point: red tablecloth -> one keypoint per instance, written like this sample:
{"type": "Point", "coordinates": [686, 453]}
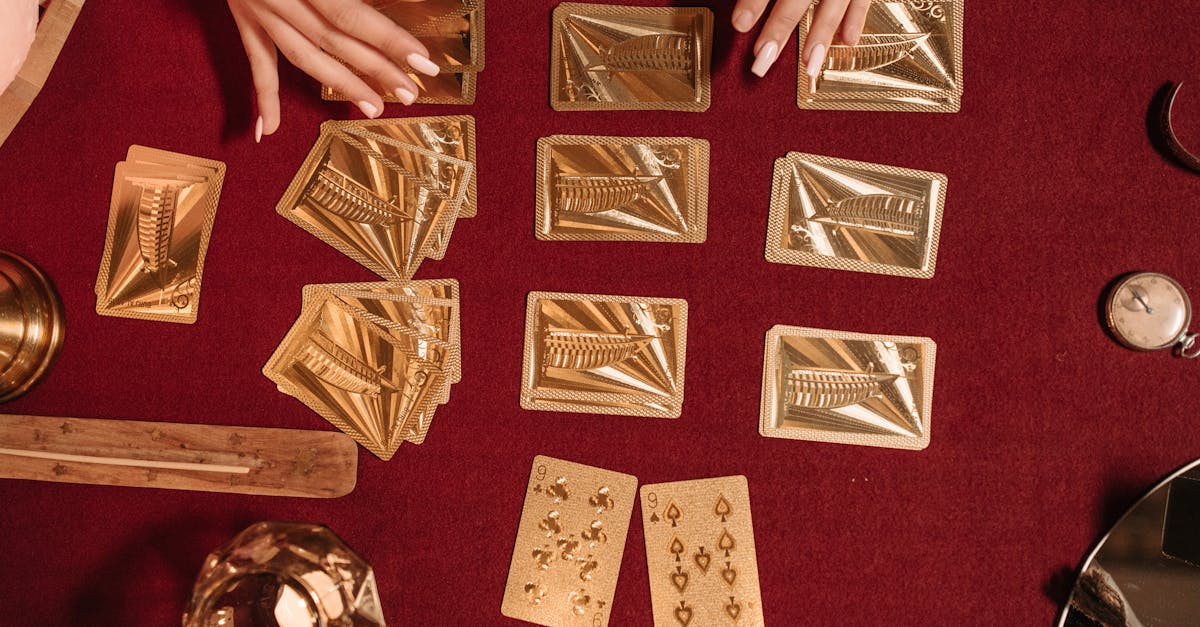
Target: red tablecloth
{"type": "Point", "coordinates": [1043, 428]}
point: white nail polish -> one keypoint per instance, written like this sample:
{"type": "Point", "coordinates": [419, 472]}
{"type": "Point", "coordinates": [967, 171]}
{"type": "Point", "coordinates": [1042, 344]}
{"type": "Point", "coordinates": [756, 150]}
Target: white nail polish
{"type": "Point", "coordinates": [422, 64]}
{"type": "Point", "coordinates": [258, 130]}
{"type": "Point", "coordinates": [765, 59]}
{"type": "Point", "coordinates": [816, 60]}
{"type": "Point", "coordinates": [405, 96]}
{"type": "Point", "coordinates": [368, 109]}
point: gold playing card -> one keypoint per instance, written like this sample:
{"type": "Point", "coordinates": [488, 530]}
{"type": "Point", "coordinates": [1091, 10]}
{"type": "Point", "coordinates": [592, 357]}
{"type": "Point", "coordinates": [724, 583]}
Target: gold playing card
{"type": "Point", "coordinates": [607, 57]}
{"type": "Point", "coordinates": [159, 223]}
{"type": "Point", "coordinates": [851, 215]}
{"type": "Point", "coordinates": [615, 355]}
{"type": "Point", "coordinates": [700, 553]}
{"type": "Point", "coordinates": [646, 189]}
{"type": "Point", "coordinates": [569, 545]}
{"type": "Point", "coordinates": [909, 59]}
{"type": "Point", "coordinates": [446, 88]}
{"type": "Point", "coordinates": [848, 388]}
{"type": "Point", "coordinates": [381, 202]}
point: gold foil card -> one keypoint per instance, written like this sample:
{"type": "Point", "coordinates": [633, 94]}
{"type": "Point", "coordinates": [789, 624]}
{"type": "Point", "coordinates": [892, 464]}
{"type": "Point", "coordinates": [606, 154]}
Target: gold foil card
{"type": "Point", "coordinates": [851, 215]}
{"type": "Point", "coordinates": [452, 30]}
{"type": "Point", "coordinates": [159, 223]}
{"type": "Point", "coordinates": [381, 202]}
{"type": "Point", "coordinates": [700, 553]}
{"type": "Point", "coordinates": [447, 88]}
{"type": "Point", "coordinates": [604, 354]}
{"type": "Point", "coordinates": [908, 59]}
{"type": "Point", "coordinates": [648, 189]}
{"type": "Point", "coordinates": [569, 544]}
{"type": "Point", "coordinates": [607, 57]}
{"type": "Point", "coordinates": [849, 388]}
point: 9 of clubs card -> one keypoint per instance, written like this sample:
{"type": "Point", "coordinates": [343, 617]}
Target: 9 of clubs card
{"type": "Point", "coordinates": [569, 545]}
{"type": "Point", "coordinates": [700, 553]}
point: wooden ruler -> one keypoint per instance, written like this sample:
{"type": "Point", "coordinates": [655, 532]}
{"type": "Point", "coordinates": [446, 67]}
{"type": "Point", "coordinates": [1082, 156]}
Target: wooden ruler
{"type": "Point", "coordinates": [242, 460]}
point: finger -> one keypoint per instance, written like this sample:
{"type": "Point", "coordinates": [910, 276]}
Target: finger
{"type": "Point", "coordinates": [826, 20]}
{"type": "Point", "coordinates": [855, 20]}
{"type": "Point", "coordinates": [746, 14]}
{"type": "Point", "coordinates": [359, 20]}
{"type": "Point", "coordinates": [305, 55]}
{"type": "Point", "coordinates": [775, 33]}
{"type": "Point", "coordinates": [264, 68]}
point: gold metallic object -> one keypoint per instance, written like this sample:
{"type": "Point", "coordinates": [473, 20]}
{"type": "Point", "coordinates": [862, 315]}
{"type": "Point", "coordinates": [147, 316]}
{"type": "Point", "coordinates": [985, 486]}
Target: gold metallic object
{"type": "Point", "coordinates": [569, 545]}
{"type": "Point", "coordinates": [849, 388]}
{"type": "Point", "coordinates": [446, 88]}
{"type": "Point", "coordinates": [159, 223]}
{"type": "Point", "coordinates": [851, 215]}
{"type": "Point", "coordinates": [909, 58]}
{"type": "Point", "coordinates": [651, 189]}
{"type": "Point", "coordinates": [287, 575]}
{"type": "Point", "coordinates": [1186, 157]}
{"type": "Point", "coordinates": [31, 325]}
{"type": "Point", "coordinates": [606, 57]}
{"type": "Point", "coordinates": [1149, 311]}
{"type": "Point", "coordinates": [604, 354]}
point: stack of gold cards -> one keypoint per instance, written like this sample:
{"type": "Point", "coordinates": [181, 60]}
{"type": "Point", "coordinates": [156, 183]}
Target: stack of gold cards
{"type": "Point", "coordinates": [374, 359]}
{"type": "Point", "coordinates": [604, 354]}
{"type": "Point", "coordinates": [645, 189]}
{"type": "Point", "coordinates": [452, 31]}
{"type": "Point", "coordinates": [606, 57]}
{"type": "Point", "coordinates": [850, 215]}
{"type": "Point", "coordinates": [387, 193]}
{"type": "Point", "coordinates": [908, 59]}
{"type": "Point", "coordinates": [849, 388]}
{"type": "Point", "coordinates": [159, 223]}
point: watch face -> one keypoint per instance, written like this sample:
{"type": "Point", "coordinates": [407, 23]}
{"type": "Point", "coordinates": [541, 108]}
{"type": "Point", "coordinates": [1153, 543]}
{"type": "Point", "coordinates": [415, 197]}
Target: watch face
{"type": "Point", "coordinates": [1148, 311]}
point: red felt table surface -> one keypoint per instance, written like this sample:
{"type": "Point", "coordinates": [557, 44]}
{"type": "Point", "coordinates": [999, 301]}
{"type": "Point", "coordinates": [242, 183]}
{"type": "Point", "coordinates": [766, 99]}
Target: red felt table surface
{"type": "Point", "coordinates": [1043, 429]}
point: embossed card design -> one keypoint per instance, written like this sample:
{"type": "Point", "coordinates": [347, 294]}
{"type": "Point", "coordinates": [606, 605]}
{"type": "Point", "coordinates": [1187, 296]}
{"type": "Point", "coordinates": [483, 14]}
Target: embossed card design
{"type": "Point", "coordinates": [908, 59]}
{"type": "Point", "coordinates": [569, 545]}
{"type": "Point", "coordinates": [622, 188]}
{"type": "Point", "coordinates": [849, 388]}
{"type": "Point", "coordinates": [851, 215]}
{"type": "Point", "coordinates": [604, 354]}
{"type": "Point", "coordinates": [608, 57]}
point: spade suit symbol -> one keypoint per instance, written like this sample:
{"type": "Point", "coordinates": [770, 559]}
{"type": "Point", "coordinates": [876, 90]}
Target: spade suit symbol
{"type": "Point", "coordinates": [683, 614]}
{"type": "Point", "coordinates": [673, 514]}
{"type": "Point", "coordinates": [729, 574]}
{"type": "Point", "coordinates": [702, 559]}
{"type": "Point", "coordinates": [679, 579]}
{"type": "Point", "coordinates": [733, 609]}
{"type": "Point", "coordinates": [722, 508]}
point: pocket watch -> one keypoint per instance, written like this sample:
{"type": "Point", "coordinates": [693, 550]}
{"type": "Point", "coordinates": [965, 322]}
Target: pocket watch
{"type": "Point", "coordinates": [1149, 311]}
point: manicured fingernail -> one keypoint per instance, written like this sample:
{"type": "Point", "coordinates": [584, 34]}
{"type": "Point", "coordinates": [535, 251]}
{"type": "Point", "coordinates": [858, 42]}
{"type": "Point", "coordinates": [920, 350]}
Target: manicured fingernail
{"type": "Point", "coordinates": [405, 96]}
{"type": "Point", "coordinates": [368, 109]}
{"type": "Point", "coordinates": [816, 59]}
{"type": "Point", "coordinates": [422, 64]}
{"type": "Point", "coordinates": [258, 130]}
{"type": "Point", "coordinates": [743, 20]}
{"type": "Point", "coordinates": [765, 59]}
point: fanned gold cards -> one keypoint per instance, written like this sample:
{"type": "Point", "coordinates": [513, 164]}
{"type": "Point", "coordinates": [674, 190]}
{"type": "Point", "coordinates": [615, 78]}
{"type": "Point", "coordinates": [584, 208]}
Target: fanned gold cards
{"type": "Point", "coordinates": [615, 355]}
{"type": "Point", "coordinates": [374, 359]}
{"type": "Point", "coordinates": [452, 31]}
{"type": "Point", "coordinates": [569, 545]}
{"type": "Point", "coordinates": [607, 57]}
{"type": "Point", "coordinates": [850, 215]}
{"type": "Point", "coordinates": [849, 388]}
{"type": "Point", "coordinates": [646, 189]}
{"type": "Point", "coordinates": [159, 223]}
{"type": "Point", "coordinates": [700, 553]}
{"type": "Point", "coordinates": [386, 203]}
{"type": "Point", "coordinates": [909, 58]}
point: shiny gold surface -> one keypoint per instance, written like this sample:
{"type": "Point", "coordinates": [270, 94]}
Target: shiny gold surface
{"type": "Point", "coordinates": [159, 223]}
{"type": "Point", "coordinates": [848, 388]}
{"type": "Point", "coordinates": [374, 359]}
{"type": "Point", "coordinates": [445, 88]}
{"type": "Point", "coordinates": [31, 325]}
{"type": "Point", "coordinates": [851, 215]}
{"type": "Point", "coordinates": [607, 57]}
{"type": "Point", "coordinates": [908, 59]}
{"type": "Point", "coordinates": [382, 202]}
{"type": "Point", "coordinates": [650, 189]}
{"type": "Point", "coordinates": [1148, 311]}
{"type": "Point", "coordinates": [604, 354]}
{"type": "Point", "coordinates": [569, 544]}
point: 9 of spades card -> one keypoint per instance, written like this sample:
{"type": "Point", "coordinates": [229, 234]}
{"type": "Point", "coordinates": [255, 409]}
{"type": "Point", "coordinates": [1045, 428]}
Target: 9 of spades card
{"type": "Point", "coordinates": [569, 545]}
{"type": "Point", "coordinates": [700, 553]}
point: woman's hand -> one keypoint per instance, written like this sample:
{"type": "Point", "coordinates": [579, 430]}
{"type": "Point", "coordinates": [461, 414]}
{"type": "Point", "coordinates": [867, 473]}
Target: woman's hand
{"type": "Point", "coordinates": [832, 16]}
{"type": "Point", "coordinates": [310, 33]}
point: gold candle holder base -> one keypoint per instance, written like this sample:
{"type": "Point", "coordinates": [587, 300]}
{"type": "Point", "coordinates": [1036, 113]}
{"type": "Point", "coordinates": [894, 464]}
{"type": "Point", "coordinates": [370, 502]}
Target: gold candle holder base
{"type": "Point", "coordinates": [31, 325]}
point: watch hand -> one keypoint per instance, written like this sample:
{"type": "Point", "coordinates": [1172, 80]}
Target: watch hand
{"type": "Point", "coordinates": [1141, 300]}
